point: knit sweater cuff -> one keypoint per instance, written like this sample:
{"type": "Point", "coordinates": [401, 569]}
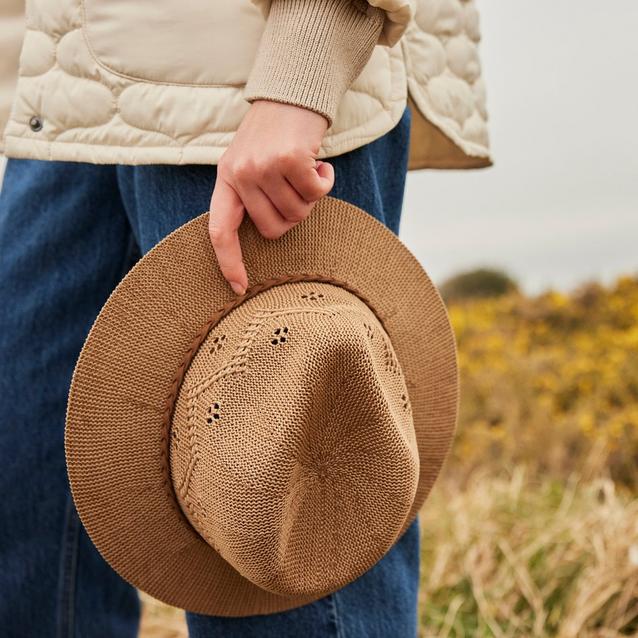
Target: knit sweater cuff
{"type": "Point", "coordinates": [312, 50]}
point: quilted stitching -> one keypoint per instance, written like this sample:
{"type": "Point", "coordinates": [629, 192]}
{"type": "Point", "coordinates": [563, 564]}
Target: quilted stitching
{"type": "Point", "coordinates": [91, 113]}
{"type": "Point", "coordinates": [444, 71]}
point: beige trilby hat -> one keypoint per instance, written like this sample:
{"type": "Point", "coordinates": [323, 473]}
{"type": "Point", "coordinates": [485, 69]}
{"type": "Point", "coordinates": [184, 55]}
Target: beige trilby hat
{"type": "Point", "coordinates": [237, 456]}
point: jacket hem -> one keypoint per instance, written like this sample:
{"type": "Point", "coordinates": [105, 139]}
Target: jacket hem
{"type": "Point", "coordinates": [470, 149]}
{"type": "Point", "coordinates": [25, 148]}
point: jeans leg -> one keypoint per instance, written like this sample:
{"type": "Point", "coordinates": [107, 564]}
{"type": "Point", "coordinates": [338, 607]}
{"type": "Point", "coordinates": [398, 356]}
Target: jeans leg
{"type": "Point", "coordinates": [383, 602]}
{"type": "Point", "coordinates": [65, 243]}
{"type": "Point", "coordinates": [373, 176]}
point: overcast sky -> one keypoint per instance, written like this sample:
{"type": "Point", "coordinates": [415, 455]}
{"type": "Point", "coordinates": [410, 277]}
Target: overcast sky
{"type": "Point", "coordinates": [561, 203]}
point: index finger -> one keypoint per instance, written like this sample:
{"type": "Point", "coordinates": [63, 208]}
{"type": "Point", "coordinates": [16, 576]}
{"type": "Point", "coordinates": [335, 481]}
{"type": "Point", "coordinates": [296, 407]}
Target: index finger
{"type": "Point", "coordinates": [225, 216]}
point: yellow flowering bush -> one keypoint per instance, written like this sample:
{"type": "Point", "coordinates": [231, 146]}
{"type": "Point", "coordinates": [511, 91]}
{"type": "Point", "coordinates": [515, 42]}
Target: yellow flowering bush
{"type": "Point", "coordinates": [550, 381]}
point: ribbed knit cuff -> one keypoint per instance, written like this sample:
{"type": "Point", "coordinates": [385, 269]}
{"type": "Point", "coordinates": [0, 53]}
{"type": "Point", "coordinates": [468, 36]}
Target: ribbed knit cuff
{"type": "Point", "coordinates": [312, 50]}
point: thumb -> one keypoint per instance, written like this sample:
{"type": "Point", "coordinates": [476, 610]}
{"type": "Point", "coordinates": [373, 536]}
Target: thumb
{"type": "Point", "coordinates": [326, 175]}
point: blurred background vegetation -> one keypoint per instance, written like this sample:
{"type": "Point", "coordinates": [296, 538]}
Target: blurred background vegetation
{"type": "Point", "coordinates": [532, 528]}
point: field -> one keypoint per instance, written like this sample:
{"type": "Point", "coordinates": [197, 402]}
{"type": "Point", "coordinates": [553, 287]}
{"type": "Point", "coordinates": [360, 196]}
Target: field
{"type": "Point", "coordinates": [532, 529]}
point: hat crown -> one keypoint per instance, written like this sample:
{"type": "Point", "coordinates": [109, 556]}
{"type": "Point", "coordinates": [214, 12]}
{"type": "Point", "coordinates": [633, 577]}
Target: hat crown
{"type": "Point", "coordinates": [293, 451]}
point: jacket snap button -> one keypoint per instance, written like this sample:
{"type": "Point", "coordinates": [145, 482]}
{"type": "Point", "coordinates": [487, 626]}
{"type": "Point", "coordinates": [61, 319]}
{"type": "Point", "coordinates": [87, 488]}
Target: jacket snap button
{"type": "Point", "coordinates": [35, 123]}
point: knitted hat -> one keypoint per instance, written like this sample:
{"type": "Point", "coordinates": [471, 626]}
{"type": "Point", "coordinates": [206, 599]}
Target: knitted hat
{"type": "Point", "coordinates": [247, 455]}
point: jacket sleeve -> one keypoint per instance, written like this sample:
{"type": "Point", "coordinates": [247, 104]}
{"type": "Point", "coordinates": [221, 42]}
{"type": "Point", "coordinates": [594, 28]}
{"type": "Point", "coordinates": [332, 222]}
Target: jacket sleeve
{"type": "Point", "coordinates": [312, 50]}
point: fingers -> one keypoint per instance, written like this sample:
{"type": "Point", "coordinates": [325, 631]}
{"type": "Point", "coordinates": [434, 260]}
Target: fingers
{"type": "Point", "coordinates": [326, 173]}
{"type": "Point", "coordinates": [275, 202]}
{"type": "Point", "coordinates": [225, 217]}
{"type": "Point", "coordinates": [269, 171]}
{"type": "Point", "coordinates": [270, 223]}
{"type": "Point", "coordinates": [292, 188]}
{"type": "Point", "coordinates": [285, 199]}
{"type": "Point", "coordinates": [309, 181]}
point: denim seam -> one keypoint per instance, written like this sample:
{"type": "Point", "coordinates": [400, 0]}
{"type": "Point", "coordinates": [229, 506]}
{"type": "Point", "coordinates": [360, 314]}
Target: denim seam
{"type": "Point", "coordinates": [68, 572]}
{"type": "Point", "coordinates": [334, 612]}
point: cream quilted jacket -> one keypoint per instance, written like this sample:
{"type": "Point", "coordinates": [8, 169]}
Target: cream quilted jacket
{"type": "Point", "coordinates": [133, 82]}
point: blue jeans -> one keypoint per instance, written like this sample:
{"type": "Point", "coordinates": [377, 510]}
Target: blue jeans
{"type": "Point", "coordinates": [68, 233]}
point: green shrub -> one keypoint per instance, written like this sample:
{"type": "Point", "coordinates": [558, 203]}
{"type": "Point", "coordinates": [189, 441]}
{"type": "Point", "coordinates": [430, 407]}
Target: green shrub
{"type": "Point", "coordinates": [479, 283]}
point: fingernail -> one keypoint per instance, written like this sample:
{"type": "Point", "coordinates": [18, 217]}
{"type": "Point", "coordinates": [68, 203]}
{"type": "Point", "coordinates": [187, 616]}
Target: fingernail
{"type": "Point", "coordinates": [238, 288]}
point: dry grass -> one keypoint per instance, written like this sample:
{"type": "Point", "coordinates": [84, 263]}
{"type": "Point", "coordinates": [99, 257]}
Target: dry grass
{"type": "Point", "coordinates": [160, 621]}
{"type": "Point", "coordinates": [510, 556]}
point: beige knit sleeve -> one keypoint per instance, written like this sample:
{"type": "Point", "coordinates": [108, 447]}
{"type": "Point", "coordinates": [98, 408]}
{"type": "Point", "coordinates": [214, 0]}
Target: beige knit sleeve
{"type": "Point", "coordinates": [312, 50]}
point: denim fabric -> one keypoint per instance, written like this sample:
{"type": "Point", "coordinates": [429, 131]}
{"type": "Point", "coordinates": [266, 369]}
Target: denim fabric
{"type": "Point", "coordinates": [68, 233]}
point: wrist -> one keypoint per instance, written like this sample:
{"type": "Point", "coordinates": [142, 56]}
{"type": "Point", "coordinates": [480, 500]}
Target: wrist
{"type": "Point", "coordinates": [312, 122]}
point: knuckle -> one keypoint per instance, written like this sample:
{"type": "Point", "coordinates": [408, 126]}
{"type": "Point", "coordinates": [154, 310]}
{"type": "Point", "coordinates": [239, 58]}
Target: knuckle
{"type": "Point", "coordinates": [217, 234]}
{"type": "Point", "coordinates": [243, 168]}
{"type": "Point", "coordinates": [224, 166]}
{"type": "Point", "coordinates": [262, 170]}
{"type": "Point", "coordinates": [287, 157]}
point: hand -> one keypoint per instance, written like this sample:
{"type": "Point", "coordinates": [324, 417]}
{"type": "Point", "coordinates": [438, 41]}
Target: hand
{"type": "Point", "coordinates": [269, 171]}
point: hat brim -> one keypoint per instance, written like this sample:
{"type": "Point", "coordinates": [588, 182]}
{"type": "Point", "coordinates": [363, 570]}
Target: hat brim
{"type": "Point", "coordinates": [123, 376]}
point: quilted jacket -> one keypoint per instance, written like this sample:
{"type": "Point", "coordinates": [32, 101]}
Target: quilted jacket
{"type": "Point", "coordinates": [133, 82]}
